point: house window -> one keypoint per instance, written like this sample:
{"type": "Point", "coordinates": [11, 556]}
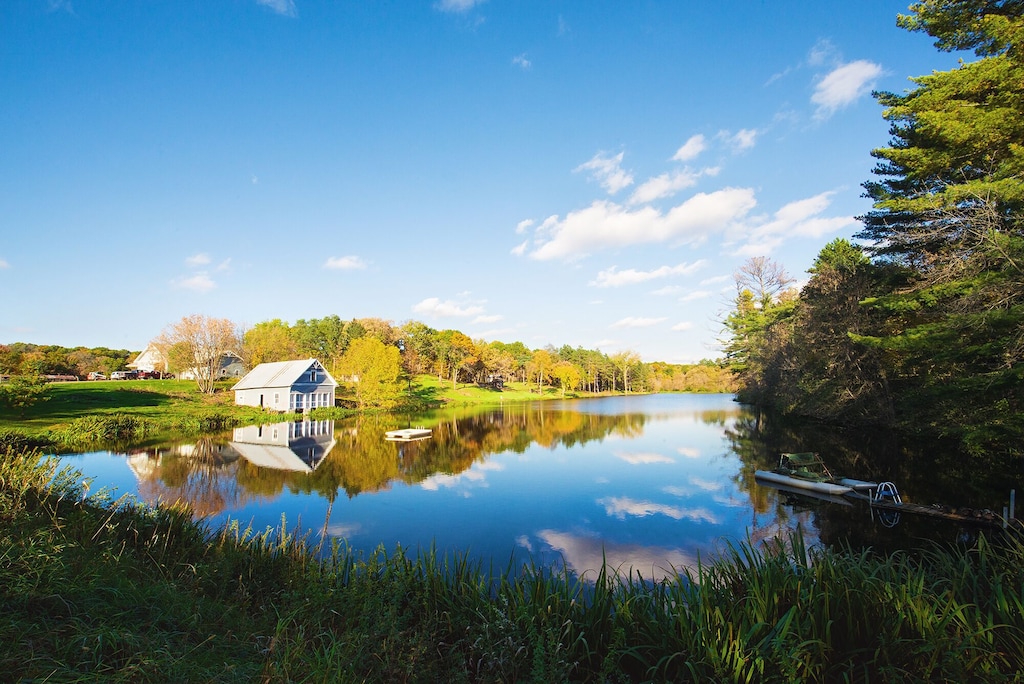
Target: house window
{"type": "Point", "coordinates": [277, 399]}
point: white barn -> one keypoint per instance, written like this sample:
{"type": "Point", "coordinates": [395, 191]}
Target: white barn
{"type": "Point", "coordinates": [150, 359]}
{"type": "Point", "coordinates": [287, 386]}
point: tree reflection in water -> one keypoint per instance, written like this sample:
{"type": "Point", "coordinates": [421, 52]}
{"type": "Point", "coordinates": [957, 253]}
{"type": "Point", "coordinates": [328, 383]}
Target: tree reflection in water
{"type": "Point", "coordinates": [650, 482]}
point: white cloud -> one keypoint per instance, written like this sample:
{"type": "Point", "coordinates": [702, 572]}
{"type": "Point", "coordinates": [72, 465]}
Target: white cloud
{"type": "Point", "coordinates": [200, 282]}
{"type": "Point", "coordinates": [345, 263]}
{"type": "Point", "coordinates": [637, 322]}
{"type": "Point", "coordinates": [744, 139]}
{"type": "Point", "coordinates": [800, 218]}
{"type": "Point", "coordinates": [614, 278]}
{"type": "Point", "coordinates": [691, 149]}
{"type": "Point", "coordinates": [493, 318]}
{"type": "Point", "coordinates": [644, 458]}
{"type": "Point", "coordinates": [523, 226]}
{"type": "Point", "coordinates": [457, 5]}
{"type": "Point", "coordinates": [689, 452]}
{"type": "Point", "coordinates": [285, 8]}
{"type": "Point", "coordinates": [695, 295]}
{"type": "Point", "coordinates": [665, 185]}
{"type": "Point", "coordinates": [521, 61]}
{"type": "Point", "coordinates": [607, 171]}
{"type": "Point", "coordinates": [224, 265]}
{"type": "Point", "coordinates": [683, 325]}
{"type": "Point", "coordinates": [433, 306]}
{"type": "Point", "coordinates": [822, 52]}
{"type": "Point", "coordinates": [667, 290]}
{"type": "Point", "coordinates": [196, 260]}
{"type": "Point", "coordinates": [4, 264]}
{"type": "Point", "coordinates": [520, 249]}
{"type": "Point", "coordinates": [844, 85]}
{"type": "Point", "coordinates": [605, 225]}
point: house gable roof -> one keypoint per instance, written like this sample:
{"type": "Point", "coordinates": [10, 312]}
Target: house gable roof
{"type": "Point", "coordinates": [282, 374]}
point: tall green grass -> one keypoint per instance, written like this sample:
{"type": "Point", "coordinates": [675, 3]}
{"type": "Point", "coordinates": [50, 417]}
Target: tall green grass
{"type": "Point", "coordinates": [103, 589]}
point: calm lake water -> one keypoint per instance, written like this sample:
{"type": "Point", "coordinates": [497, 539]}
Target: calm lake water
{"type": "Point", "coordinates": [644, 482]}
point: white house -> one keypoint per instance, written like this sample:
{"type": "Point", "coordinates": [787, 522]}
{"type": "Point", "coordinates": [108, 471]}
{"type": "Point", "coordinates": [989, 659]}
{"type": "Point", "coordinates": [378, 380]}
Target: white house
{"type": "Point", "coordinates": [230, 366]}
{"type": "Point", "coordinates": [150, 360]}
{"type": "Point", "coordinates": [287, 386]}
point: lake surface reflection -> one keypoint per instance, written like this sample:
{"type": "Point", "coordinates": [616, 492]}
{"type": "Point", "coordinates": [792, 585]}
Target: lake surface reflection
{"type": "Point", "coordinates": [644, 482]}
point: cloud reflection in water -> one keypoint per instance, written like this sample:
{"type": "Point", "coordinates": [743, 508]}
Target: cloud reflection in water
{"type": "Point", "coordinates": [586, 555]}
{"type": "Point", "coordinates": [621, 506]}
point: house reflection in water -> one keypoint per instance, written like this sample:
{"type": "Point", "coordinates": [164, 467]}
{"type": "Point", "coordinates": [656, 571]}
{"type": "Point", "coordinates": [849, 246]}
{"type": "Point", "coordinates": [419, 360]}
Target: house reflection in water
{"type": "Point", "coordinates": [300, 446]}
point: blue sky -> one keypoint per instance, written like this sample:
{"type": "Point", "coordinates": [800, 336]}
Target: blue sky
{"type": "Point", "coordinates": [576, 172]}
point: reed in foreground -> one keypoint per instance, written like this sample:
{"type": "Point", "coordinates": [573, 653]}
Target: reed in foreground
{"type": "Point", "coordinates": [103, 589]}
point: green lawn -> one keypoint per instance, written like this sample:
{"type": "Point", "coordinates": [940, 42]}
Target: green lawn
{"type": "Point", "coordinates": [428, 386]}
{"type": "Point", "coordinates": [144, 398]}
{"type": "Point", "coordinates": [76, 415]}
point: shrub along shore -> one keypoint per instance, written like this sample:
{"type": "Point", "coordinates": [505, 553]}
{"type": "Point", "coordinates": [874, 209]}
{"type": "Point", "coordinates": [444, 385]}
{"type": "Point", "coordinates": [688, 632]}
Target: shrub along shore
{"type": "Point", "coordinates": [96, 589]}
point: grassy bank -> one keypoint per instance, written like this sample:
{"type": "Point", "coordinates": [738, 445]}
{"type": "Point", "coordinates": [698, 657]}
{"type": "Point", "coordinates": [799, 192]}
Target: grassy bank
{"type": "Point", "coordinates": [78, 415]}
{"type": "Point", "coordinates": [100, 590]}
{"type": "Point", "coordinates": [431, 391]}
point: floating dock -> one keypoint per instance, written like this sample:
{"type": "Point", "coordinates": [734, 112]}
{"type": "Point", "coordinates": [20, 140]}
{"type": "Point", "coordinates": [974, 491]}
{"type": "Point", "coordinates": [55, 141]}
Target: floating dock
{"type": "Point", "coordinates": [408, 434]}
{"type": "Point", "coordinates": [884, 497]}
{"type": "Point", "coordinates": [968, 516]}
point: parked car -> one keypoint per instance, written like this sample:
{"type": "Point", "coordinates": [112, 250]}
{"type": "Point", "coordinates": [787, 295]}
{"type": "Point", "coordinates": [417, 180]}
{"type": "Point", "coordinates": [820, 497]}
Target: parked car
{"type": "Point", "coordinates": [124, 375]}
{"type": "Point", "coordinates": [96, 375]}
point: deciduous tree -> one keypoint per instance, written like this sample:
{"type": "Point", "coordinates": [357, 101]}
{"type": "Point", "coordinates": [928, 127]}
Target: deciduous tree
{"type": "Point", "coordinates": [197, 344]}
{"type": "Point", "coordinates": [374, 368]}
{"type": "Point", "coordinates": [267, 342]}
{"type": "Point", "coordinates": [568, 376]}
{"type": "Point", "coordinates": [21, 392]}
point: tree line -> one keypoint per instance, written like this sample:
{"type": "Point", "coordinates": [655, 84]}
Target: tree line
{"type": "Point", "coordinates": [365, 347]}
{"type": "Point", "coordinates": [376, 357]}
{"type": "Point", "coordinates": [24, 359]}
{"type": "Point", "coordinates": [920, 323]}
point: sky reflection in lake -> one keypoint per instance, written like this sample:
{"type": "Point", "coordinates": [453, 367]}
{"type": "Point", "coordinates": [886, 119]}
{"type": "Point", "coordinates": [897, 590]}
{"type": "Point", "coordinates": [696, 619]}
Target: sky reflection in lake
{"type": "Point", "coordinates": [646, 482]}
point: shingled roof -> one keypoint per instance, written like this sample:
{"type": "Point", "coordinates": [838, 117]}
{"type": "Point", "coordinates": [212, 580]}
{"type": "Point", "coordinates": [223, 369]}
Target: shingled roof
{"type": "Point", "coordinates": [280, 374]}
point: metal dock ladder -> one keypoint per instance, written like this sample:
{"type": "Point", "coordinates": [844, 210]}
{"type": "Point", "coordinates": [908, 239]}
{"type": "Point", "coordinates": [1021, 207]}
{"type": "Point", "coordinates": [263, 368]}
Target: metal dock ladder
{"type": "Point", "coordinates": [888, 494]}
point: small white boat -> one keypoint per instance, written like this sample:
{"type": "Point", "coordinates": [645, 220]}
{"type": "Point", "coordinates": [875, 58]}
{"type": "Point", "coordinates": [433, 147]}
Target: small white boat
{"type": "Point", "coordinates": [858, 485]}
{"type": "Point", "coordinates": [807, 493]}
{"type": "Point", "coordinates": [821, 487]}
{"type": "Point", "coordinates": [806, 471]}
{"type": "Point", "coordinates": [407, 434]}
